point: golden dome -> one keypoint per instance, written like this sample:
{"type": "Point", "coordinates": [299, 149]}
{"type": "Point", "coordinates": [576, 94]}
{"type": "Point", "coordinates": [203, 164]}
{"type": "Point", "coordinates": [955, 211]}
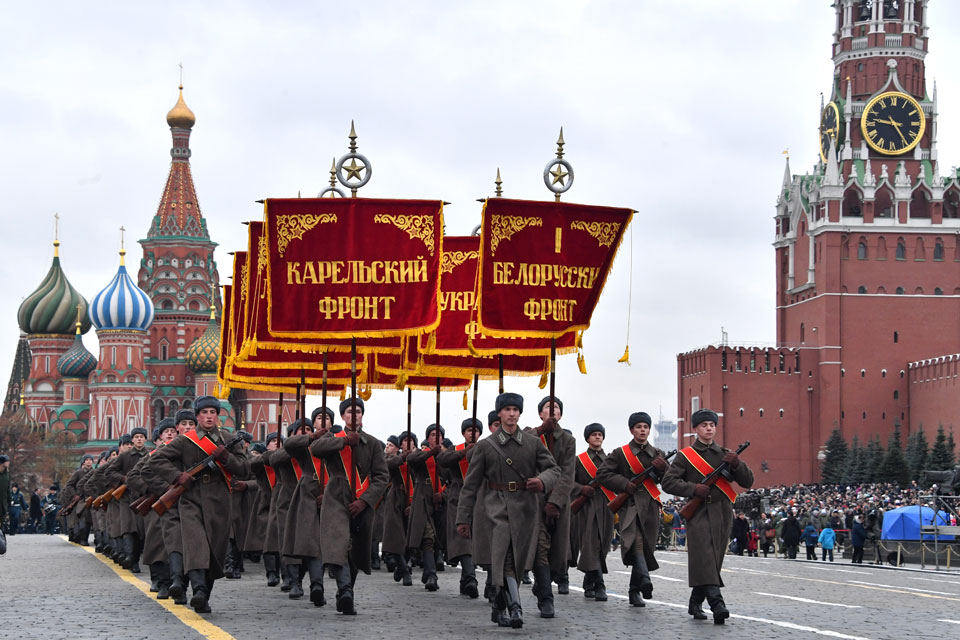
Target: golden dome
{"type": "Point", "coordinates": [181, 116]}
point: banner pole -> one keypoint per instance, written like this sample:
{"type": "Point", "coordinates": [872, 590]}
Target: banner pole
{"type": "Point", "coordinates": [409, 411]}
{"type": "Point", "coordinates": [500, 357]}
{"type": "Point", "coordinates": [553, 373]}
{"type": "Point", "coordinates": [302, 409]}
{"type": "Point", "coordinates": [353, 380]}
{"type": "Point", "coordinates": [323, 400]}
{"type": "Point", "coordinates": [476, 385]}
{"type": "Point", "coordinates": [436, 482]}
{"type": "Point", "coordinates": [279, 418]}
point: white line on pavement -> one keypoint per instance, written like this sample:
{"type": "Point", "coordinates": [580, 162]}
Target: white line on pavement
{"type": "Point", "coordinates": [950, 621]}
{"type": "Point", "coordinates": [653, 575]}
{"type": "Point", "coordinates": [891, 586]}
{"type": "Point", "coordinates": [808, 601]}
{"type": "Point", "coordinates": [778, 623]}
{"type": "Point", "coordinates": [937, 580]}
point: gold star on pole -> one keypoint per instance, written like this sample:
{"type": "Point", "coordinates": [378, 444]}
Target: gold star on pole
{"type": "Point", "coordinates": [353, 169]}
{"type": "Point", "coordinates": [559, 174]}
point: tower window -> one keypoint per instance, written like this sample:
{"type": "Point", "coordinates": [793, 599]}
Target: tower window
{"type": "Point", "coordinates": [861, 289]}
{"type": "Point", "coordinates": [899, 291]}
{"type": "Point", "coordinates": [883, 373]}
{"type": "Point", "coordinates": [863, 373]}
{"type": "Point", "coordinates": [761, 413]}
{"type": "Point", "coordinates": [901, 249]}
{"type": "Point", "coordinates": [937, 291]}
{"type": "Point", "coordinates": [802, 333]}
{"type": "Point", "coordinates": [896, 394]}
{"type": "Point", "coordinates": [896, 336]}
{"type": "Point", "coordinates": [938, 250]}
{"type": "Point", "coordinates": [862, 250]}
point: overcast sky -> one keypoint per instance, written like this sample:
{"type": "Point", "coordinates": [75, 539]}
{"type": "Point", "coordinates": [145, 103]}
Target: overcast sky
{"type": "Point", "coordinates": [677, 109]}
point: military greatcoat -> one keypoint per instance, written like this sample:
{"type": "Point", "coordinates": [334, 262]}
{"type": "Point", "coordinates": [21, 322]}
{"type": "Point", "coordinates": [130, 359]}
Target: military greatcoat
{"type": "Point", "coordinates": [708, 531]}
{"type": "Point", "coordinates": [260, 509]}
{"type": "Point", "coordinates": [594, 521]}
{"type": "Point", "coordinates": [116, 475]}
{"type": "Point", "coordinates": [451, 460]}
{"type": "Point", "coordinates": [394, 503]}
{"type": "Point", "coordinates": [279, 459]}
{"type": "Point", "coordinates": [153, 548]}
{"type": "Point", "coordinates": [301, 531]}
{"type": "Point", "coordinates": [514, 515]}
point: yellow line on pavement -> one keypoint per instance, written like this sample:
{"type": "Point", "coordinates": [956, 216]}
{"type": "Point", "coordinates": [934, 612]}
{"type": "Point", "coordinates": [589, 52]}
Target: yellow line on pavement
{"type": "Point", "coordinates": [184, 614]}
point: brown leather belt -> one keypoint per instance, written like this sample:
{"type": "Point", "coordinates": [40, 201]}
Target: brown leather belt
{"type": "Point", "coordinates": [508, 486]}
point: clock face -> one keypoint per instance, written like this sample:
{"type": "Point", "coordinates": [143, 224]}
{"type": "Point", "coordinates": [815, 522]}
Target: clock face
{"type": "Point", "coordinates": [829, 128]}
{"type": "Point", "coordinates": [892, 123]}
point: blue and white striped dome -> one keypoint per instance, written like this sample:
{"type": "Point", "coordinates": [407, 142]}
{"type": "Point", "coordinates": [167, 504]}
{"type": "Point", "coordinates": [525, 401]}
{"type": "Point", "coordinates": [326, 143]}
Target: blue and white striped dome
{"type": "Point", "coordinates": [122, 304]}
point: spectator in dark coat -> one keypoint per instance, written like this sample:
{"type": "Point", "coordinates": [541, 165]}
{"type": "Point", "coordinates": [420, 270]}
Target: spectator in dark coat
{"type": "Point", "coordinates": [810, 540]}
{"type": "Point", "coordinates": [739, 532]}
{"type": "Point", "coordinates": [858, 535]}
{"type": "Point", "coordinates": [17, 504]}
{"type": "Point", "coordinates": [791, 535]}
{"type": "Point", "coordinates": [35, 513]}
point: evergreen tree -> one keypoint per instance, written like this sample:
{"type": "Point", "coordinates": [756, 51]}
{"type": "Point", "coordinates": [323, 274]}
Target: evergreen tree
{"type": "Point", "coordinates": [916, 453]}
{"type": "Point", "coordinates": [894, 467]}
{"type": "Point", "coordinates": [835, 458]}
{"type": "Point", "coordinates": [874, 456]}
{"type": "Point", "coordinates": [855, 469]}
{"type": "Point", "coordinates": [941, 457]}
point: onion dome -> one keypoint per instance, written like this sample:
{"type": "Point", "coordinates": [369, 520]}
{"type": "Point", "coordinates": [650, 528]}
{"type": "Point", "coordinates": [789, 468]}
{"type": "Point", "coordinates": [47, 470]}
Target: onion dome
{"type": "Point", "coordinates": [52, 307]}
{"type": "Point", "coordinates": [122, 304]}
{"type": "Point", "coordinates": [181, 116]}
{"type": "Point", "coordinates": [76, 362]}
{"type": "Point", "coordinates": [203, 356]}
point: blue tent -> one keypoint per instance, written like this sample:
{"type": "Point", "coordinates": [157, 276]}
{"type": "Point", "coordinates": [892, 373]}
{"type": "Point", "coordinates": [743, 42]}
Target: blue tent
{"type": "Point", "coordinates": [903, 523]}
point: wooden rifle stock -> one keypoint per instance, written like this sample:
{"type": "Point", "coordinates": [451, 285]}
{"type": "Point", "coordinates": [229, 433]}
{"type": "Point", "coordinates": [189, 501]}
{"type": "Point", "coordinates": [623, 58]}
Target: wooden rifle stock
{"type": "Point", "coordinates": [617, 503]}
{"type": "Point", "coordinates": [142, 505]}
{"type": "Point", "coordinates": [69, 507]}
{"type": "Point", "coordinates": [88, 502]}
{"type": "Point", "coordinates": [693, 504]}
{"type": "Point", "coordinates": [118, 492]}
{"type": "Point", "coordinates": [580, 500]}
{"type": "Point", "coordinates": [170, 497]}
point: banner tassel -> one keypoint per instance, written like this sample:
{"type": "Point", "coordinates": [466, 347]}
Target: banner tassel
{"type": "Point", "coordinates": [581, 364]}
{"type": "Point", "coordinates": [544, 378]}
{"type": "Point", "coordinates": [626, 356]}
{"type": "Point", "coordinates": [465, 405]}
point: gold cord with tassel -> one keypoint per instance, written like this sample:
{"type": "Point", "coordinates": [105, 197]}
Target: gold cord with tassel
{"type": "Point", "coordinates": [626, 351]}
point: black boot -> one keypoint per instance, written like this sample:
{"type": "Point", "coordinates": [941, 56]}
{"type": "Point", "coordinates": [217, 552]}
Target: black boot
{"type": "Point", "coordinates": [154, 587]}
{"type": "Point", "coordinates": [489, 591]}
{"type": "Point", "coordinates": [177, 591]}
{"type": "Point", "coordinates": [129, 542]}
{"type": "Point", "coordinates": [239, 559]}
{"type": "Point", "coordinates": [543, 589]}
{"type": "Point", "coordinates": [315, 569]}
{"type": "Point", "coordinates": [600, 589]}
{"type": "Point", "coordinates": [286, 577]}
{"type": "Point", "coordinates": [390, 562]}
{"type": "Point", "coordinates": [563, 584]}
{"type": "Point", "coordinates": [162, 573]}
{"type": "Point", "coordinates": [296, 581]}
{"type": "Point", "coordinates": [525, 579]}
{"type": "Point", "coordinates": [498, 609]}
{"type": "Point", "coordinates": [402, 570]}
{"type": "Point", "coordinates": [640, 581]}
{"type": "Point", "coordinates": [695, 607]}
{"type": "Point", "coordinates": [271, 567]}
{"type": "Point", "coordinates": [137, 548]}
{"type": "Point", "coordinates": [717, 605]}
{"type": "Point", "coordinates": [588, 585]}
{"type": "Point", "coordinates": [375, 558]}
{"type": "Point", "coordinates": [429, 576]}
{"type": "Point", "coordinates": [230, 571]}
{"type": "Point", "coordinates": [511, 593]}
{"type": "Point", "coordinates": [201, 591]}
{"type": "Point", "coordinates": [468, 577]}
{"type": "Point", "coordinates": [345, 591]}
{"type": "Point", "coordinates": [439, 563]}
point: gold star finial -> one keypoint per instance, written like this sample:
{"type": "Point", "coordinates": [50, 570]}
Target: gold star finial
{"type": "Point", "coordinates": [499, 183]}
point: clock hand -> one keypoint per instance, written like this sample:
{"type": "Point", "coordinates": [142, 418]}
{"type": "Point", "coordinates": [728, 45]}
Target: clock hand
{"type": "Point", "coordinates": [897, 127]}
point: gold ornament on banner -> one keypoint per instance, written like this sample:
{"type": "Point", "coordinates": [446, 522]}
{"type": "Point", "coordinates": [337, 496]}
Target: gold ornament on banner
{"type": "Point", "coordinates": [504, 227]}
{"type": "Point", "coordinates": [453, 259]}
{"type": "Point", "coordinates": [417, 227]}
{"type": "Point", "coordinates": [603, 232]}
{"type": "Point", "coordinates": [292, 227]}
{"type": "Point", "coordinates": [261, 255]}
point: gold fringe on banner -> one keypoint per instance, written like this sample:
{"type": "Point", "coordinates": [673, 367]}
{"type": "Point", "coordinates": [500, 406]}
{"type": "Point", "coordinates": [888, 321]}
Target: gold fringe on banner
{"type": "Point", "coordinates": [465, 403]}
{"type": "Point", "coordinates": [544, 379]}
{"type": "Point", "coordinates": [581, 364]}
{"type": "Point", "coordinates": [626, 356]}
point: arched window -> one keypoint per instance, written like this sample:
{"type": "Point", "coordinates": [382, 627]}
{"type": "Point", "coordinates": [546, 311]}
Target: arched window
{"type": "Point", "coordinates": [881, 248]}
{"type": "Point", "coordinates": [938, 250]}
{"type": "Point", "coordinates": [862, 249]}
{"type": "Point", "coordinates": [937, 291]}
{"type": "Point", "coordinates": [920, 204]}
{"type": "Point", "coordinates": [802, 333]}
{"type": "Point", "coordinates": [951, 203]}
{"type": "Point", "coordinates": [852, 204]}
{"type": "Point", "coordinates": [883, 203]}
{"type": "Point", "coordinates": [761, 413]}
{"type": "Point", "coordinates": [741, 411]}
{"type": "Point", "coordinates": [900, 291]}
{"type": "Point", "coordinates": [896, 336]}
{"type": "Point", "coordinates": [781, 413]}
{"type": "Point", "coordinates": [883, 373]}
{"type": "Point", "coordinates": [861, 289]}
{"type": "Point", "coordinates": [896, 394]}
{"type": "Point", "coordinates": [843, 372]}
{"type": "Point", "coordinates": [863, 373]}
{"type": "Point", "coordinates": [921, 252]}
{"type": "Point", "coordinates": [918, 291]}
{"type": "Point", "coordinates": [901, 249]}
{"type": "Point", "coordinates": [881, 289]}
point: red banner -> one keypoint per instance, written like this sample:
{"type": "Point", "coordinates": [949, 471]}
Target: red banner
{"type": "Point", "coordinates": [352, 267]}
{"type": "Point", "coordinates": [544, 264]}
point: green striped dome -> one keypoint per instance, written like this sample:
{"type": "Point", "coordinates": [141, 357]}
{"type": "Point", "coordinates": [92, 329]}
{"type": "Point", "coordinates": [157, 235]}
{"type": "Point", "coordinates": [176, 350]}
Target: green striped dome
{"type": "Point", "coordinates": [203, 356]}
{"type": "Point", "coordinates": [52, 307]}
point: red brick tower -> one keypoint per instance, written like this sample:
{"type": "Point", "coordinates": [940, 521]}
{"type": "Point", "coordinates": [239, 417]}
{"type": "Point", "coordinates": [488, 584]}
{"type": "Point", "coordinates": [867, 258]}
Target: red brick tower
{"type": "Point", "coordinates": [867, 262]}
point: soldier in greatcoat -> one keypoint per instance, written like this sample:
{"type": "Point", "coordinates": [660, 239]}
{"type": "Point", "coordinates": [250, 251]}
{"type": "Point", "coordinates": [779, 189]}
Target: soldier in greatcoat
{"type": "Point", "coordinates": [480, 529]}
{"type": "Point", "coordinates": [131, 524]}
{"type": "Point", "coordinates": [396, 507]}
{"type": "Point", "coordinates": [556, 509]}
{"type": "Point", "coordinates": [516, 469]}
{"type": "Point", "coordinates": [286, 477]}
{"type": "Point", "coordinates": [708, 531]}
{"type": "Point", "coordinates": [640, 515]}
{"type": "Point", "coordinates": [205, 503]}
{"type": "Point", "coordinates": [79, 521]}
{"type": "Point", "coordinates": [594, 521]}
{"type": "Point", "coordinates": [260, 510]}
{"type": "Point", "coordinates": [421, 527]}
{"type": "Point", "coordinates": [357, 479]}
{"type": "Point", "coordinates": [302, 533]}
{"type": "Point", "coordinates": [241, 500]}
{"type": "Point", "coordinates": [456, 460]}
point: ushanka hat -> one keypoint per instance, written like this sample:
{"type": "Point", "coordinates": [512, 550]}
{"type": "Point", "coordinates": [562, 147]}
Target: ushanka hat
{"type": "Point", "coordinates": [346, 405]}
{"type": "Point", "coordinates": [593, 428]}
{"type": "Point", "coordinates": [206, 402]}
{"type": "Point", "coordinates": [544, 402]}
{"type": "Point", "coordinates": [639, 416]}
{"type": "Point", "coordinates": [704, 415]}
{"type": "Point", "coordinates": [509, 400]}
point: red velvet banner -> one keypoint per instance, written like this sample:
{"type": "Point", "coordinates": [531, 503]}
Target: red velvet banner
{"type": "Point", "coordinates": [544, 264]}
{"type": "Point", "coordinates": [352, 267]}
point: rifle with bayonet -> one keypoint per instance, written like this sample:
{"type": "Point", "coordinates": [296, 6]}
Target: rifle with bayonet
{"type": "Point", "coordinates": [617, 503]}
{"type": "Point", "coordinates": [168, 499]}
{"type": "Point", "coordinates": [694, 503]}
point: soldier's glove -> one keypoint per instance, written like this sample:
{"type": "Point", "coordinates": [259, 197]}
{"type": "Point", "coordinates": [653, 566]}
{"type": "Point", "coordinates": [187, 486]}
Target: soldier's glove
{"type": "Point", "coordinates": [630, 488]}
{"type": "Point", "coordinates": [548, 426]}
{"type": "Point", "coordinates": [469, 445]}
{"type": "Point", "coordinates": [239, 486]}
{"type": "Point", "coordinates": [352, 438]}
{"type": "Point", "coordinates": [220, 454]}
{"type": "Point", "coordinates": [184, 480]}
{"type": "Point", "coordinates": [317, 433]}
{"type": "Point", "coordinates": [437, 499]}
{"type": "Point", "coordinates": [587, 491]}
{"type": "Point", "coordinates": [357, 507]}
{"type": "Point", "coordinates": [463, 530]}
{"type": "Point", "coordinates": [535, 485]}
{"type": "Point", "coordinates": [435, 450]}
{"type": "Point", "coordinates": [406, 511]}
{"type": "Point", "coordinates": [731, 459]}
{"type": "Point", "coordinates": [551, 513]}
{"type": "Point", "coordinates": [660, 464]}
{"type": "Point", "coordinates": [701, 491]}
{"type": "Point", "coordinates": [319, 500]}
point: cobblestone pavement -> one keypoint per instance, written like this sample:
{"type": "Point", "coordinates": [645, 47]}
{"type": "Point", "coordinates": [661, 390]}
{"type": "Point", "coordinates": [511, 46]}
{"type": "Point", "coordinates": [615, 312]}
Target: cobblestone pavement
{"type": "Point", "coordinates": [50, 588]}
